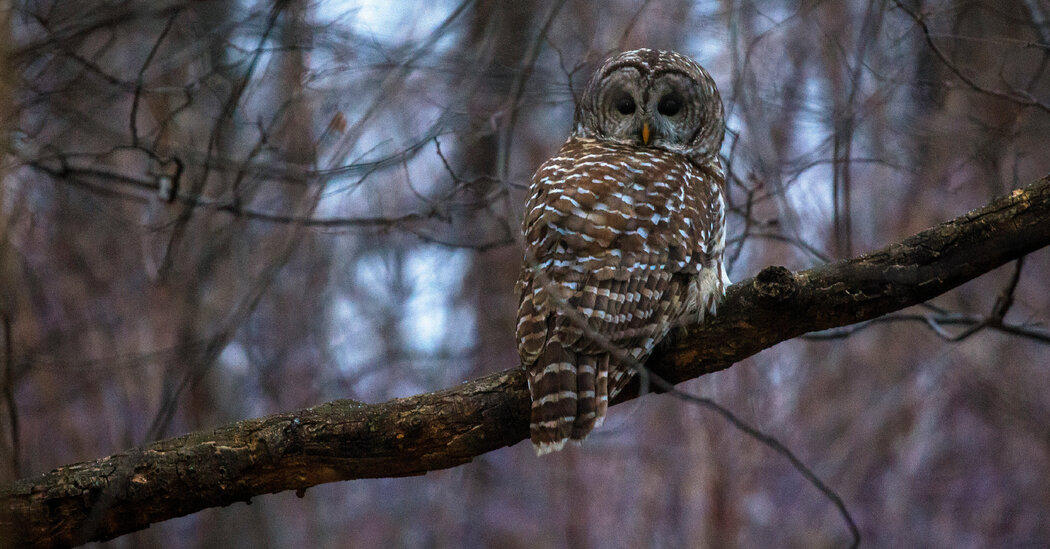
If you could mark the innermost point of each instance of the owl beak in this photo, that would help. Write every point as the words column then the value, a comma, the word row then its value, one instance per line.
column 645, row 133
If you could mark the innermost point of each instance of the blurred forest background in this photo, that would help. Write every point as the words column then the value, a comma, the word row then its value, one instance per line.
column 217, row 210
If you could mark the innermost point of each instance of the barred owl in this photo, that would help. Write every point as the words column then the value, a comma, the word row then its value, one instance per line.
column 624, row 232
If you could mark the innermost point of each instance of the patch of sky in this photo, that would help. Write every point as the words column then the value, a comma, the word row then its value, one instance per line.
column 234, row 358
column 432, row 321
column 418, row 290
column 389, row 21
column 353, row 336
column 810, row 194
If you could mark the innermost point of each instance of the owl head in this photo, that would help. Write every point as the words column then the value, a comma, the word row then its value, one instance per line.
column 653, row 98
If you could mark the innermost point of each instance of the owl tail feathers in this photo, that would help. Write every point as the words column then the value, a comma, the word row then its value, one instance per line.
column 569, row 397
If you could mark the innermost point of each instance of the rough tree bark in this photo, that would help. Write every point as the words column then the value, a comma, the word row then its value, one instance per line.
column 345, row 440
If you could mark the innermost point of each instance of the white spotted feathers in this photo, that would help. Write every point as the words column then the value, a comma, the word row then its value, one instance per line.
column 623, row 259
column 624, row 232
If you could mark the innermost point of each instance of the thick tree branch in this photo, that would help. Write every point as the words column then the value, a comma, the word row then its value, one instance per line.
column 345, row 440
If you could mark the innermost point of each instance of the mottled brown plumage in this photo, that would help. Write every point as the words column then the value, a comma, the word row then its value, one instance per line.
column 624, row 232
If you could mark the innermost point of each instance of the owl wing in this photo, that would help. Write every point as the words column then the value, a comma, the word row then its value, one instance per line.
column 612, row 251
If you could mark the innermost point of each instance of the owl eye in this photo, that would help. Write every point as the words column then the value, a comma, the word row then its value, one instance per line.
column 669, row 105
column 625, row 104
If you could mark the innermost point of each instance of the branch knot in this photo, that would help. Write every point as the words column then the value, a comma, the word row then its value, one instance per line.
column 774, row 285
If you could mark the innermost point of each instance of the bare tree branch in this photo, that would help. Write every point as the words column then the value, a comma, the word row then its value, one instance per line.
column 1021, row 97
column 344, row 440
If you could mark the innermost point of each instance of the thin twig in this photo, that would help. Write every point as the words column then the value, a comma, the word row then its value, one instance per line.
column 133, row 117
column 1023, row 98
column 770, row 442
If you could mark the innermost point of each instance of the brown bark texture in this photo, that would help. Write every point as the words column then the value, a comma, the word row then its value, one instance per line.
column 345, row 440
